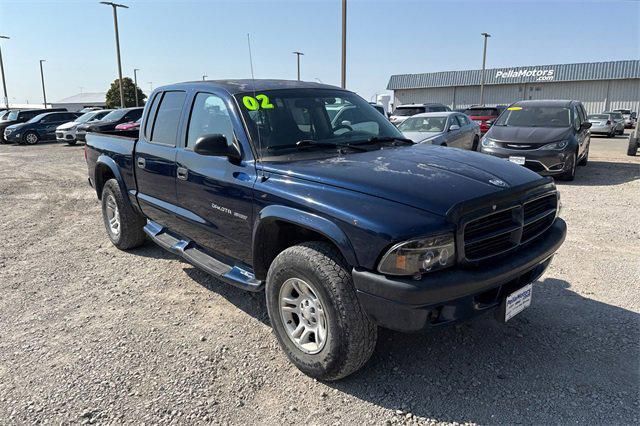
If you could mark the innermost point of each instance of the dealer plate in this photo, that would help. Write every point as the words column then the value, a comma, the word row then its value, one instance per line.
column 517, row 160
column 517, row 302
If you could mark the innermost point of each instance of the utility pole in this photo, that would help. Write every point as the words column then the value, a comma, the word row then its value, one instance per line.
column 44, row 92
column 115, row 24
column 298, row 54
column 135, row 82
column 484, row 63
column 344, row 44
column 204, row 77
column 4, row 81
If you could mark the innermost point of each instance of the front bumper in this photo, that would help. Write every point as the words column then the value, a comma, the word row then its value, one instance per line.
column 65, row 135
column 13, row 137
column 450, row 296
column 543, row 162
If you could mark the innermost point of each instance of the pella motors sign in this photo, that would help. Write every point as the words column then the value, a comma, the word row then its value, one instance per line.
column 538, row 74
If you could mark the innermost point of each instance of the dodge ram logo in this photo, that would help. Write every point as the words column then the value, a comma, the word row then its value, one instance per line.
column 499, row 182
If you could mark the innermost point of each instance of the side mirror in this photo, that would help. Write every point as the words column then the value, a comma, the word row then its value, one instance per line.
column 586, row 125
column 454, row 127
column 346, row 123
column 216, row 145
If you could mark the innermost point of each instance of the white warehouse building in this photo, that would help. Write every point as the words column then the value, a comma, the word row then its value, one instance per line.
column 599, row 86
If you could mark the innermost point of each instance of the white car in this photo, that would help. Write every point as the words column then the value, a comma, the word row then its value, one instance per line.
column 67, row 131
column 402, row 112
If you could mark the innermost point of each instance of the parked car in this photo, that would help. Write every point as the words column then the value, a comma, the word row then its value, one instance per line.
column 115, row 117
column 550, row 137
column 402, row 112
column 442, row 128
column 67, row 131
column 629, row 117
column 17, row 116
column 484, row 116
column 602, row 124
column 132, row 125
column 40, row 128
column 345, row 230
column 618, row 120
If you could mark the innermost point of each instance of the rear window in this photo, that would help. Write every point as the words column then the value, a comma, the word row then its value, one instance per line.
column 165, row 126
column 482, row 112
column 408, row 111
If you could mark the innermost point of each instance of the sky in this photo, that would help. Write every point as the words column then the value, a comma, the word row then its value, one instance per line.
column 172, row 41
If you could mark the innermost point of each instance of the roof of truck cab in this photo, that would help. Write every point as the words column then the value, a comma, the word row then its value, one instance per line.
column 547, row 103
column 250, row 85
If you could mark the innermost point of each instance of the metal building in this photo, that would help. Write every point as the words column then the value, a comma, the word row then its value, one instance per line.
column 599, row 85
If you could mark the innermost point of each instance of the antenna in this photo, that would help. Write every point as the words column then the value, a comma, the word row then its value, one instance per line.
column 253, row 81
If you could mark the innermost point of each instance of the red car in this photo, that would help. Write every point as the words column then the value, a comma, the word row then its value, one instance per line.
column 484, row 116
column 132, row 125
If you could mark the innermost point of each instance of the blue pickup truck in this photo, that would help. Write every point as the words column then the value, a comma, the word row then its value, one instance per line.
column 345, row 226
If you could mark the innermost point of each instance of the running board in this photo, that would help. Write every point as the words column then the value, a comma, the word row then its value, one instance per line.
column 234, row 275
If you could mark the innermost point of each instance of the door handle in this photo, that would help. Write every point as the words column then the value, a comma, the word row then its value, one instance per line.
column 141, row 162
column 182, row 173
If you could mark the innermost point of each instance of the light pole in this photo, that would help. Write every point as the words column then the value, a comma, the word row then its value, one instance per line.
column 298, row 54
column 135, row 82
column 484, row 62
column 115, row 24
column 44, row 92
column 4, row 81
column 344, row 44
column 204, row 77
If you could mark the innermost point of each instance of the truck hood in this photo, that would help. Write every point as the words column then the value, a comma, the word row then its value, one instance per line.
column 533, row 135
column 426, row 177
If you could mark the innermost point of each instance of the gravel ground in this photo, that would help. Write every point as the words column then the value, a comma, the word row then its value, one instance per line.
column 91, row 334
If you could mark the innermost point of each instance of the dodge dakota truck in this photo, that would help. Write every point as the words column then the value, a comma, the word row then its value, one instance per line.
column 346, row 227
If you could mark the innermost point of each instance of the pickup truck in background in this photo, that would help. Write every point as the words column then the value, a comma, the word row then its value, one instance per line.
column 345, row 227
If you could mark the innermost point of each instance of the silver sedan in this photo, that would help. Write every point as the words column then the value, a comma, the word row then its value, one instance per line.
column 452, row 129
column 603, row 124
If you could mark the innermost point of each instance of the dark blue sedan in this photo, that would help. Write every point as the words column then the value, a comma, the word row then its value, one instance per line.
column 39, row 128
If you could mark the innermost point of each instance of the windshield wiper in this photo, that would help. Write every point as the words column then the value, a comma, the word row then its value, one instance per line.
column 304, row 143
column 375, row 139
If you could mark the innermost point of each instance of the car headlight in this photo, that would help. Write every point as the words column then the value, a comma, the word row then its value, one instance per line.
column 419, row 256
column 489, row 143
column 555, row 145
column 8, row 131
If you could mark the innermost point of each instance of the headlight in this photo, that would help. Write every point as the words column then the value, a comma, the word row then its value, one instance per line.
column 488, row 143
column 555, row 145
column 8, row 131
column 419, row 256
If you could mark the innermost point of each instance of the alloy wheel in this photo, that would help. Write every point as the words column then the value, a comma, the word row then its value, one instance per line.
column 113, row 216
column 303, row 315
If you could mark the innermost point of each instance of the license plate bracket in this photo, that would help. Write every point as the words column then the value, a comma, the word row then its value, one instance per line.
column 517, row 159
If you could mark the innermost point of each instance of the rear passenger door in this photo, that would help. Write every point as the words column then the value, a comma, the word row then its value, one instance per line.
column 155, row 157
column 215, row 194
column 454, row 137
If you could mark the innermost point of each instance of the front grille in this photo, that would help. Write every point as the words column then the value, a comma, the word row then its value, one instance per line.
column 505, row 230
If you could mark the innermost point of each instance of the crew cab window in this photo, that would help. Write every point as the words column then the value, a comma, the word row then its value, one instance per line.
column 209, row 115
column 152, row 113
column 165, row 125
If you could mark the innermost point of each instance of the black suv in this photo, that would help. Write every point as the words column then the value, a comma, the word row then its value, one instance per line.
column 17, row 116
column 548, row 137
column 41, row 127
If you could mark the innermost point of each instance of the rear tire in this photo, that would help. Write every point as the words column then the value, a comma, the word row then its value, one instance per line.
column 476, row 141
column 347, row 339
column 124, row 225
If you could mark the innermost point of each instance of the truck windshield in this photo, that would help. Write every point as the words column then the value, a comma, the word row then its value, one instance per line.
column 284, row 121
column 535, row 116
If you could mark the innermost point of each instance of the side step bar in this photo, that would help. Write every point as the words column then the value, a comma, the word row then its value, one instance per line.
column 233, row 275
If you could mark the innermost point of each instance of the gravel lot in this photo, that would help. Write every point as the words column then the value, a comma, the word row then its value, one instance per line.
column 89, row 333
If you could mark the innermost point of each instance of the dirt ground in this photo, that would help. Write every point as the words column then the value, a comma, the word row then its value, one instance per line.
column 91, row 334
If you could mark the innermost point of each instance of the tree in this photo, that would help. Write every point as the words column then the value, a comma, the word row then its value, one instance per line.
column 129, row 88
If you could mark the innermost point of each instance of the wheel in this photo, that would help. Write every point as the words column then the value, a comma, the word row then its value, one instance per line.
column 31, row 138
column 570, row 174
column 124, row 225
column 73, row 142
column 611, row 134
column 315, row 313
column 633, row 146
column 585, row 159
column 474, row 147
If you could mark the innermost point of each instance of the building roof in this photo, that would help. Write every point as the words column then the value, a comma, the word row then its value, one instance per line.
column 614, row 70
column 84, row 98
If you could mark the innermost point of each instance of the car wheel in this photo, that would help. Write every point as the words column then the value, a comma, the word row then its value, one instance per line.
column 124, row 225
column 73, row 142
column 315, row 313
column 585, row 159
column 570, row 174
column 611, row 134
column 31, row 138
column 632, row 149
column 474, row 147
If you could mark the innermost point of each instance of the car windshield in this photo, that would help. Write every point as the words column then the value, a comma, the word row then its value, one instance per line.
column 282, row 122
column 423, row 124
column 408, row 111
column 623, row 111
column 115, row 115
column 616, row 115
column 535, row 116
column 598, row 117
column 85, row 117
column 481, row 112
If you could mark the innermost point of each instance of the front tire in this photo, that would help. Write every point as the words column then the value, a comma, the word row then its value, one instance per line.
column 632, row 149
column 585, row 159
column 570, row 174
column 124, row 225
column 315, row 313
column 30, row 138
column 475, row 147
column 73, row 142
